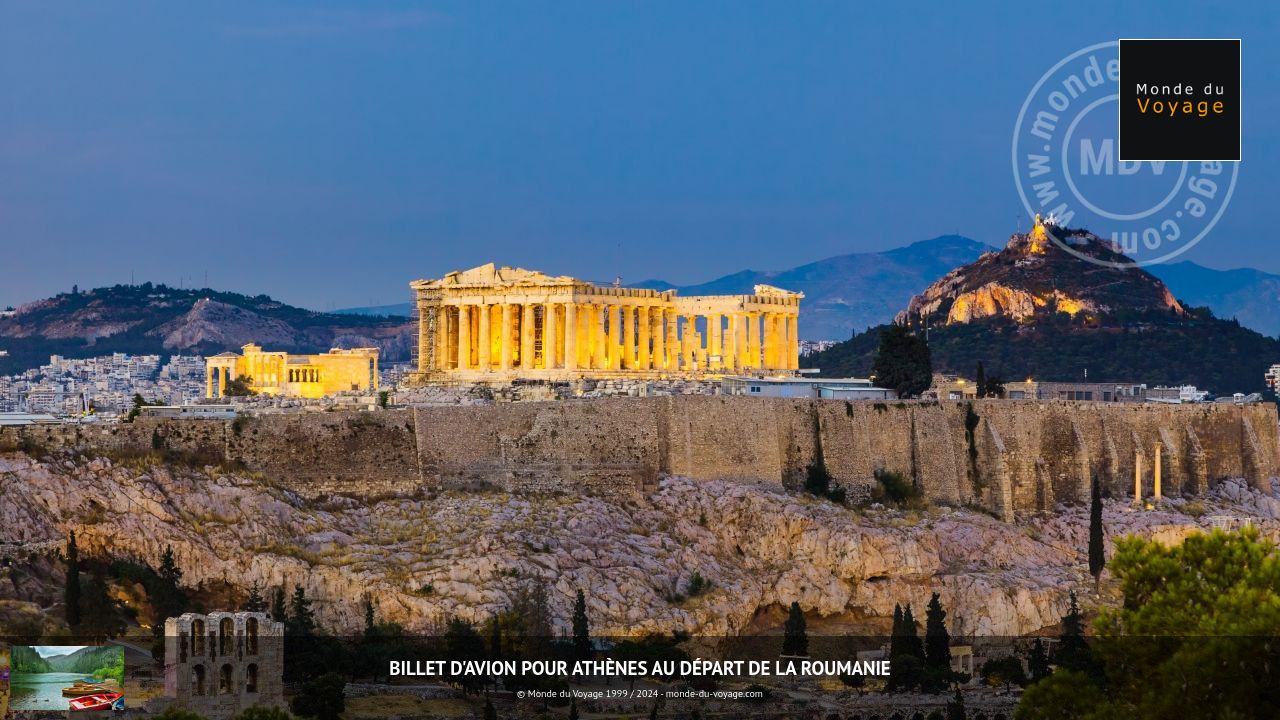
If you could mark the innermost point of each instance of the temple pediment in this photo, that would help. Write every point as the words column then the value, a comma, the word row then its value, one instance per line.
column 490, row 275
column 771, row 291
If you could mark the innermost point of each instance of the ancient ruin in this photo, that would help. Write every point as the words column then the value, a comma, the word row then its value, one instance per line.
column 222, row 663
column 492, row 324
column 282, row 373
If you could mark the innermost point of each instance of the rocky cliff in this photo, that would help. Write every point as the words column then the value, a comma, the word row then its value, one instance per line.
column 428, row 556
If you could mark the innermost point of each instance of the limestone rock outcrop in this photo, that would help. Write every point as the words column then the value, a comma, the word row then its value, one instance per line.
column 426, row 557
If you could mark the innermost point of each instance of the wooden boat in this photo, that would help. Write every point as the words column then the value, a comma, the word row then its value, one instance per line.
column 99, row 701
column 80, row 689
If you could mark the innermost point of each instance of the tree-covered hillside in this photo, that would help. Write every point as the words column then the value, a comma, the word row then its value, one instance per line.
column 1152, row 348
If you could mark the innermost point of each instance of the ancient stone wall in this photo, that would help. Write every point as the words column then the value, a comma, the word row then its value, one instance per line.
column 1011, row 457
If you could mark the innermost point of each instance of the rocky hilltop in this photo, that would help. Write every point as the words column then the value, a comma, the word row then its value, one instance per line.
column 155, row 319
column 428, row 556
column 1033, row 276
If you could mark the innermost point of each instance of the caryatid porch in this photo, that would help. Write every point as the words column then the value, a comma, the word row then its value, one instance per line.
column 501, row 324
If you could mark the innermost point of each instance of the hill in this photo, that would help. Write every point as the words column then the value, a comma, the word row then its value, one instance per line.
column 853, row 291
column 156, row 319
column 1248, row 295
column 1035, row 310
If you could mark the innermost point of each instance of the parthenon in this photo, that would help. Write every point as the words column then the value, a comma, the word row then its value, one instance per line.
column 497, row 324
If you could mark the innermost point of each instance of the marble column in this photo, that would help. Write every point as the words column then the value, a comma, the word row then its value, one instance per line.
column 527, row 327
column 570, row 336
column 793, row 341
column 628, row 337
column 753, row 340
column 730, row 345
column 614, row 359
column 715, row 344
column 642, row 343
column 464, row 337
column 658, row 329
column 505, row 339
column 485, row 344
column 599, row 341
column 424, row 320
column 444, row 338
column 208, row 381
column 550, row 326
column 769, row 340
column 673, row 340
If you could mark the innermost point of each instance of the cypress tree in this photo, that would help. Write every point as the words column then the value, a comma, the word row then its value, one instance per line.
column 495, row 638
column 1038, row 662
column 937, row 645
column 913, row 646
column 1097, row 555
column 278, row 612
column 955, row 708
column 302, row 620
column 255, row 602
column 981, row 381
column 581, row 629
column 71, row 596
column 795, row 641
column 368, row 616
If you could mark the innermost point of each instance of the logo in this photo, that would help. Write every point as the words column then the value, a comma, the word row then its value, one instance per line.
column 1067, row 167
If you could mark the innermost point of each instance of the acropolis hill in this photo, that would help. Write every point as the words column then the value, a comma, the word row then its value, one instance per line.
column 1010, row 457
column 497, row 324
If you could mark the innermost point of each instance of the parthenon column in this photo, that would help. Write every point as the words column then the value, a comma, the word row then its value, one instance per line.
column 740, row 340
column 527, row 323
column 769, row 339
column 715, row 347
column 443, row 338
column 485, row 343
column 424, row 363
column 793, row 341
column 464, row 337
column 628, row 337
column 730, row 345
column 658, row 328
column 753, row 340
column 599, row 354
column 504, row 336
column 614, row 361
column 550, row 341
column 570, row 336
column 642, row 341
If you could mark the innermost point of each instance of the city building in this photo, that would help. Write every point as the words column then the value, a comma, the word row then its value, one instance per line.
column 282, row 373
column 952, row 387
column 1177, row 395
column 492, row 324
column 801, row 387
column 1273, row 378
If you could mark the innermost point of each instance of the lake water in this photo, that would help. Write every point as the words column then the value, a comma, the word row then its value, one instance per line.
column 40, row 691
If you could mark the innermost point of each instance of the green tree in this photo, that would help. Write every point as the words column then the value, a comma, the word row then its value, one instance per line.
column 258, row 712
column 71, row 594
column 980, row 381
column 301, row 621
column 173, row 712
column 581, row 629
column 278, row 611
column 1037, row 662
column 98, row 611
column 255, row 602
column 240, row 386
column 903, row 363
column 937, row 646
column 464, row 644
column 795, row 639
column 1193, row 638
column 955, row 708
column 1003, row 671
column 321, row 698
column 1097, row 551
column 1073, row 651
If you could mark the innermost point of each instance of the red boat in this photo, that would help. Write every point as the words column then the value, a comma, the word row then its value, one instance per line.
column 100, row 701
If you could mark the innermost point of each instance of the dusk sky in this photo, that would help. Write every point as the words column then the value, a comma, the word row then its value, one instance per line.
column 327, row 154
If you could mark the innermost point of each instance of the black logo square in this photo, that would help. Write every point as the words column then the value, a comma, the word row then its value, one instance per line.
column 1179, row 99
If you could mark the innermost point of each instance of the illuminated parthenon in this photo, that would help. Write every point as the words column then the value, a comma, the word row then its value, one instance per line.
column 501, row 324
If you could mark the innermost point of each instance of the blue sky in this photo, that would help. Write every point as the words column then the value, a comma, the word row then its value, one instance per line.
column 327, row 154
